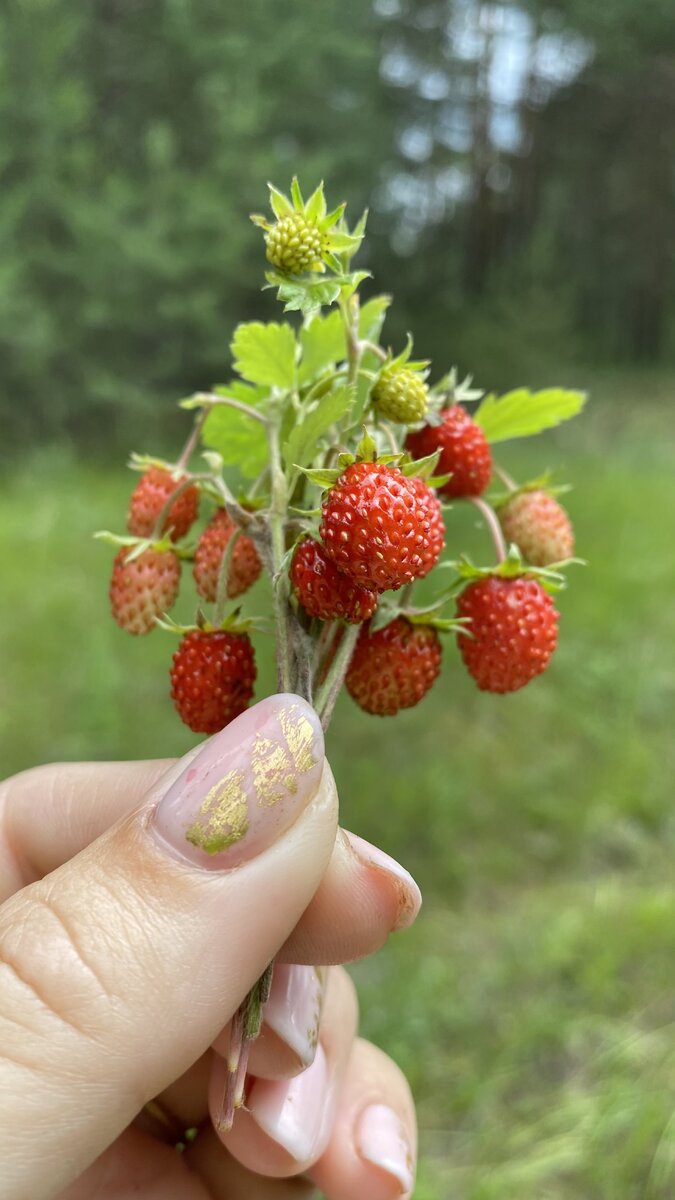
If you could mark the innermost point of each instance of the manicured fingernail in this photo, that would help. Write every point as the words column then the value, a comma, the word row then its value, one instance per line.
column 294, row 1113
column 381, row 1140
column 408, row 895
column 293, row 1011
column 246, row 787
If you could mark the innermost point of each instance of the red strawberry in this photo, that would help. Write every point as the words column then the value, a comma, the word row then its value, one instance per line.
column 380, row 528
column 515, row 631
column 144, row 588
column 212, row 678
column 148, row 499
column 393, row 668
column 245, row 565
column 539, row 526
column 465, row 451
column 325, row 592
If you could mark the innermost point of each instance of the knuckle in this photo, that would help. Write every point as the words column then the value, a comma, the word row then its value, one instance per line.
column 46, row 973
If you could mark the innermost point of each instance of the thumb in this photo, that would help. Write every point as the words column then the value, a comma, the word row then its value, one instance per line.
column 119, row 969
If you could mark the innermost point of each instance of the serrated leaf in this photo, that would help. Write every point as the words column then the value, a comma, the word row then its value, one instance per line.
column 323, row 344
column 306, row 296
column 522, row 413
column 300, row 448
column 296, row 194
column 265, row 354
column 240, row 441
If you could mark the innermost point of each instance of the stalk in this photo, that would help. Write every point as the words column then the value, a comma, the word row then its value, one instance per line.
column 223, row 579
column 277, row 524
column 492, row 522
column 332, row 684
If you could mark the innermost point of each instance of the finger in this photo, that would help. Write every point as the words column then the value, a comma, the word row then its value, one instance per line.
column 286, row 1124
column 119, row 969
column 373, row 1145
column 136, row 1165
column 227, row 1179
column 49, row 814
column 364, row 896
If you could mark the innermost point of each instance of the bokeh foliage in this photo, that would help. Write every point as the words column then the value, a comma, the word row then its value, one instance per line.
column 517, row 159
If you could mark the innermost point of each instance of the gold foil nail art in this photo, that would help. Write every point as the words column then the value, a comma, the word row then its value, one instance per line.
column 273, row 773
column 299, row 736
column 223, row 816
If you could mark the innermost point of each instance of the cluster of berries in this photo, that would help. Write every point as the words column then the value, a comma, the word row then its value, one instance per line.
column 213, row 671
column 379, row 529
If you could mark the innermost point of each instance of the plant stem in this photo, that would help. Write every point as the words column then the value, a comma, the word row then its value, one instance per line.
column 491, row 520
column 212, row 401
column 505, row 478
column 164, row 511
column 280, row 585
column 191, row 443
column 330, row 688
column 224, row 579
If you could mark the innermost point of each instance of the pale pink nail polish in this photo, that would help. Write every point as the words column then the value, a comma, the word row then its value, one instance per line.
column 296, row 1114
column 246, row 787
column 408, row 894
column 381, row 1140
column 293, row 1011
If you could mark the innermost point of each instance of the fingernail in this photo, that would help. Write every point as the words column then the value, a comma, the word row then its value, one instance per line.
column 381, row 1140
column 294, row 1113
column 408, row 895
column 246, row 787
column 293, row 1011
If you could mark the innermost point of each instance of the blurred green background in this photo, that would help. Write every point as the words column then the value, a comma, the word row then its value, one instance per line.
column 518, row 161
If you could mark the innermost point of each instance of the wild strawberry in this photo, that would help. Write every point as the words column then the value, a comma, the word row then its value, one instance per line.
column 393, row 668
column 144, row 588
column 401, row 395
column 148, row 499
column 212, row 678
column 465, row 451
column 245, row 565
column 381, row 528
column 539, row 526
column 295, row 245
column 513, row 631
column 325, row 592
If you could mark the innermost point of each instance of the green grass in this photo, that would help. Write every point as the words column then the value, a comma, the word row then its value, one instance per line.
column 532, row 1006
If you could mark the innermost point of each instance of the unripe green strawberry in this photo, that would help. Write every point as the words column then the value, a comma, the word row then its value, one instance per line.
column 539, row 526
column 294, row 245
column 401, row 395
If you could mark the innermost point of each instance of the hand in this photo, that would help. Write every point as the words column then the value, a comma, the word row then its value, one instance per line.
column 139, row 904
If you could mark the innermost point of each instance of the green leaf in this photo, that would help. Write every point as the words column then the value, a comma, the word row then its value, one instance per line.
column 300, row 448
column 306, row 296
column 323, row 478
column 371, row 317
column 323, row 344
column 423, row 467
column 296, row 194
column 522, row 413
column 240, row 441
column 315, row 208
column 281, row 205
column 265, row 354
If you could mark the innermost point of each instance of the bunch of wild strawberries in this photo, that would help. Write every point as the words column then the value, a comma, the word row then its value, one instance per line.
column 324, row 406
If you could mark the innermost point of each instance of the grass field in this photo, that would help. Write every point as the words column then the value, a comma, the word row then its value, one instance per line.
column 533, row 1004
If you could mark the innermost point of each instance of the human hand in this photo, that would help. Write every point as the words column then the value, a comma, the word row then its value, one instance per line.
column 125, row 948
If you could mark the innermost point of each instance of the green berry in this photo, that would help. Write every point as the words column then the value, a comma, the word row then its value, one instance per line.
column 401, row 395
column 294, row 245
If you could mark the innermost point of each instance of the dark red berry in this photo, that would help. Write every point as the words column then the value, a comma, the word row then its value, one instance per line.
column 465, row 452
column 325, row 592
column 393, row 668
column 212, row 678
